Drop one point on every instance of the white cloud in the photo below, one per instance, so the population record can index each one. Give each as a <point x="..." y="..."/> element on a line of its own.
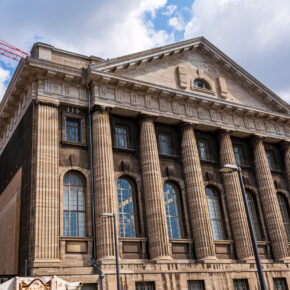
<point x="170" y="9"/>
<point x="254" y="33"/>
<point x="102" y="28"/>
<point x="4" y="77"/>
<point x="177" y="23"/>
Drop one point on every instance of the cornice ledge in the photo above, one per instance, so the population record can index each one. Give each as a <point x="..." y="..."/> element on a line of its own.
<point x="159" y="90"/>
<point x="12" y="85"/>
<point x="51" y="66"/>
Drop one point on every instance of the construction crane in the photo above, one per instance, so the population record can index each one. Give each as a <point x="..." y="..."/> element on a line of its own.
<point x="11" y="51"/>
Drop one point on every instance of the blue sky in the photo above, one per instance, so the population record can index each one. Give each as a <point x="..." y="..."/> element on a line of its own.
<point x="255" y="34"/>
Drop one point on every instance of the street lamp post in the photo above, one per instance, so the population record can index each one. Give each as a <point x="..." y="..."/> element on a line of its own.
<point x="228" y="168"/>
<point x="112" y="215"/>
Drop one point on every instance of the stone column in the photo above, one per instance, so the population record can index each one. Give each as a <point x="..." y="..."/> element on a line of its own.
<point x="286" y="154"/>
<point x="269" y="200"/>
<point x="104" y="183"/>
<point x="235" y="199"/>
<point x="46" y="187"/>
<point x="200" y="221"/>
<point x="153" y="191"/>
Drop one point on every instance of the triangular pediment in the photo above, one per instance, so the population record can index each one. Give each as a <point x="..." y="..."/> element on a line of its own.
<point x="177" y="66"/>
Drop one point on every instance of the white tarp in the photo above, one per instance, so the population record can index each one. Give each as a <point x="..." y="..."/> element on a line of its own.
<point x="40" y="283"/>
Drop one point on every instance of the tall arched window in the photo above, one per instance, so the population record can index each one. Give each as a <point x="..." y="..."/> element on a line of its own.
<point x="285" y="213"/>
<point x="215" y="213"/>
<point x="173" y="212"/>
<point x="254" y="215"/>
<point x="127" y="214"/>
<point x="74" y="205"/>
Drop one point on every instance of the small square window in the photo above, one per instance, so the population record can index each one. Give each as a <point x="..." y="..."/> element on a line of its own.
<point x="121" y="137"/>
<point x="203" y="149"/>
<point x="271" y="160"/>
<point x="280" y="284"/>
<point x="241" y="284"/>
<point x="145" y="286"/>
<point x="164" y="142"/>
<point x="196" y="285"/>
<point x="73" y="130"/>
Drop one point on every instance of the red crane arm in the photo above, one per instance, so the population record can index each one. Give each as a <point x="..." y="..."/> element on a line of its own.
<point x="11" y="51"/>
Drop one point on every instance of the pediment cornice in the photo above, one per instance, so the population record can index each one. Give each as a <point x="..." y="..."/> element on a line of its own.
<point x="159" y="91"/>
<point x="204" y="47"/>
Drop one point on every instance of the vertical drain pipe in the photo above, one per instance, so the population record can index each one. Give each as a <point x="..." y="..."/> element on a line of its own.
<point x="102" y="275"/>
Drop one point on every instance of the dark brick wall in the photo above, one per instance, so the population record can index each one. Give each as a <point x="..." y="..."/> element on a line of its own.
<point x="18" y="153"/>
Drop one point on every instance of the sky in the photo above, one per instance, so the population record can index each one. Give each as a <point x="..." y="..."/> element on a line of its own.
<point x="255" y="34"/>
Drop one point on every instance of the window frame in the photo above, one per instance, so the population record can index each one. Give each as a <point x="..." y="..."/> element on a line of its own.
<point x="77" y="211"/>
<point x="145" y="285"/>
<point x="169" y="143"/>
<point x="134" y="193"/>
<point x="285" y="201"/>
<point x="205" y="84"/>
<point x="207" y="151"/>
<point x="257" y="222"/>
<point x="201" y="285"/>
<point x="280" y="279"/>
<point x="78" y="135"/>
<point x="240" y="287"/>
<point x="241" y="154"/>
<point x="272" y="159"/>
<point x="77" y="114"/>
<point x="219" y="222"/>
<point x="178" y="207"/>
<point x="127" y="136"/>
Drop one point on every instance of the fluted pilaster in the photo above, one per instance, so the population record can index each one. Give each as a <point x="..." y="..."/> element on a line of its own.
<point x="286" y="156"/>
<point x="104" y="183"/>
<point x="46" y="188"/>
<point x="153" y="191"/>
<point x="269" y="200"/>
<point x="200" y="221"/>
<point x="235" y="199"/>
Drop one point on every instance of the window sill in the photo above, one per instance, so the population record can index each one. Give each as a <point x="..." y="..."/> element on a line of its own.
<point x="276" y="170"/>
<point x="133" y="239"/>
<point x="76" y="238"/>
<point x="168" y="156"/>
<point x="208" y="161"/>
<point x="75" y="144"/>
<point x="245" y="166"/>
<point x="223" y="242"/>
<point x="180" y="241"/>
<point x="124" y="150"/>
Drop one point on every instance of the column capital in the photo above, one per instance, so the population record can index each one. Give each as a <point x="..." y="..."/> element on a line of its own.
<point x="256" y="138"/>
<point x="144" y="116"/>
<point x="40" y="100"/>
<point x="186" y="125"/>
<point x="101" y="108"/>
<point x="224" y="131"/>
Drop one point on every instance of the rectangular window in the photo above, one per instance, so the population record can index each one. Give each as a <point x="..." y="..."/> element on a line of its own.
<point x="203" y="149"/>
<point x="89" y="287"/>
<point x="121" y="137"/>
<point x="280" y="284"/>
<point x="145" y="286"/>
<point x="271" y="160"/>
<point x="241" y="284"/>
<point x="164" y="142"/>
<point x="73" y="130"/>
<point x="196" y="285"/>
<point x="239" y="154"/>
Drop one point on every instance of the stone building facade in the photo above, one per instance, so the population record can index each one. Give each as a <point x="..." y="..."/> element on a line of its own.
<point x="163" y="123"/>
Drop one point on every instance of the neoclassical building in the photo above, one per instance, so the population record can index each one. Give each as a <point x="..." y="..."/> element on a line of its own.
<point x="143" y="136"/>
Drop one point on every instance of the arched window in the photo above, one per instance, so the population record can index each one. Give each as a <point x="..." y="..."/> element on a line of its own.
<point x="74" y="205"/>
<point x="215" y="213"/>
<point x="285" y="213"/>
<point x="254" y="215"/>
<point x="127" y="214"/>
<point x="173" y="212"/>
<point x="202" y="84"/>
